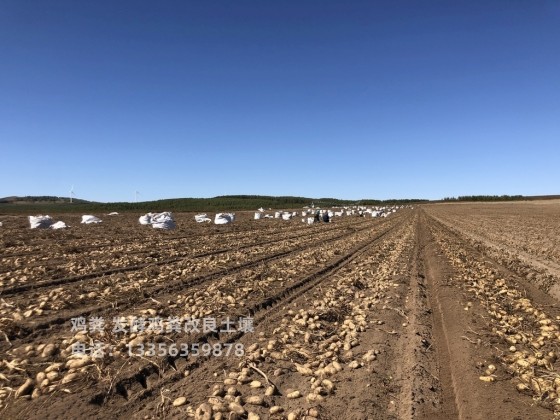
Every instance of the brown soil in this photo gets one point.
(437, 312)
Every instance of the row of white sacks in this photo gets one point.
(46, 222)
(219, 219)
(285, 215)
(162, 220)
(165, 220)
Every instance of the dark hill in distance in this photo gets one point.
(48, 204)
(47, 199)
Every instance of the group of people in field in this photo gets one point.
(324, 217)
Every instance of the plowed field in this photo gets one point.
(437, 312)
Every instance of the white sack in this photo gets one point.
(89, 219)
(59, 225)
(163, 221)
(200, 218)
(224, 218)
(146, 219)
(40, 222)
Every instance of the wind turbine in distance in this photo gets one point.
(72, 193)
(136, 194)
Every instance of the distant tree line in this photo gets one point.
(220, 203)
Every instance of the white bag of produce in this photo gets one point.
(258, 216)
(146, 219)
(40, 222)
(224, 218)
(59, 225)
(163, 220)
(201, 218)
(89, 219)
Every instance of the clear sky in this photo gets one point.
(317, 98)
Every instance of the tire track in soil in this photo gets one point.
(435, 271)
(458, 358)
(32, 331)
(421, 394)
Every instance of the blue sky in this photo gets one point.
(317, 98)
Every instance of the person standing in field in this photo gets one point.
(317, 216)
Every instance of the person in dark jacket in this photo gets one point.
(317, 216)
(326, 217)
